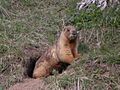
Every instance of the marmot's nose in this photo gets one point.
(74, 32)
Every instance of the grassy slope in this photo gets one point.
(36, 22)
(98, 68)
(25, 21)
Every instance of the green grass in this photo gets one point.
(95, 18)
(37, 22)
(98, 69)
(23, 22)
(1, 88)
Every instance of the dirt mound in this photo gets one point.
(31, 53)
(30, 84)
(15, 66)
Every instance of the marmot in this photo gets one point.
(65, 50)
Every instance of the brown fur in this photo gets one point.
(65, 50)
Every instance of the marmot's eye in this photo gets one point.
(68, 30)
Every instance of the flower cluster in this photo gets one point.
(102, 4)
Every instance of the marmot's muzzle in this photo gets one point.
(73, 35)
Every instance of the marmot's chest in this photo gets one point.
(66, 50)
(66, 54)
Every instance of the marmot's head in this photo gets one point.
(70, 32)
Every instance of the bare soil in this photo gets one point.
(30, 84)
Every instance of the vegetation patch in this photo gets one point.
(38, 23)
